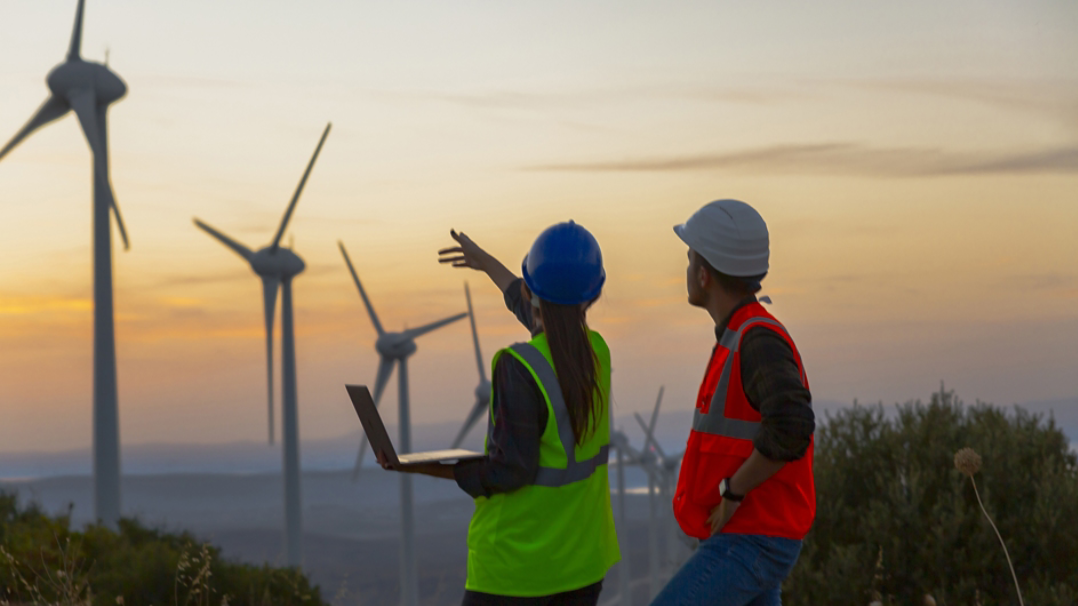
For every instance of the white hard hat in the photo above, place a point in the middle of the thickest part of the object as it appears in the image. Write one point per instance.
(731, 235)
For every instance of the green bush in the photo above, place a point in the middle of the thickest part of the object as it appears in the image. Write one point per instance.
(896, 520)
(44, 561)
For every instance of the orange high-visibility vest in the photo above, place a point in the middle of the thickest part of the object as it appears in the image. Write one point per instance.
(723, 428)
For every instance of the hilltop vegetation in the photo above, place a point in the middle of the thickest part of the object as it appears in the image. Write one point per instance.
(896, 520)
(44, 561)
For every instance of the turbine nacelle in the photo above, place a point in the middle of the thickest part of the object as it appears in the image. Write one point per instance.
(82, 75)
(281, 263)
(395, 345)
(482, 392)
(619, 440)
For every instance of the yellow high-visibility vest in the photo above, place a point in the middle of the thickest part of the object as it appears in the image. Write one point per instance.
(557, 534)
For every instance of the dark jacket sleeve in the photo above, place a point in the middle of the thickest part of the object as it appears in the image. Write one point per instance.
(514, 301)
(519, 418)
(773, 385)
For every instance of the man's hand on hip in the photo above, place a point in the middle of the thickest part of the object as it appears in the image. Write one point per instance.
(722, 514)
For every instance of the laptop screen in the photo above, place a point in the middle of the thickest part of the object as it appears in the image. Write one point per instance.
(372, 422)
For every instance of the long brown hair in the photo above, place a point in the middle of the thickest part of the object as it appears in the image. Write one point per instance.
(575, 364)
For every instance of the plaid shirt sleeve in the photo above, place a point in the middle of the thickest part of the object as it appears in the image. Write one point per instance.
(514, 301)
(519, 418)
(773, 385)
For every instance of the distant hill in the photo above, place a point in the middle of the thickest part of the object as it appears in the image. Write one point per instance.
(339, 453)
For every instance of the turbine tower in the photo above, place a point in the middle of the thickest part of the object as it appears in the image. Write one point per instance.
(89, 88)
(395, 348)
(482, 391)
(277, 266)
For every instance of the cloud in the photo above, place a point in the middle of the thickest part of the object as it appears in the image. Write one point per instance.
(188, 82)
(604, 96)
(1058, 100)
(1055, 282)
(25, 305)
(170, 281)
(845, 158)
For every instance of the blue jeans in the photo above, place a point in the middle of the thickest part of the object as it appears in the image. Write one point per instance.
(732, 570)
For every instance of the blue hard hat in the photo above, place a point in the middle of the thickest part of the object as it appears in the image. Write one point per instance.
(565, 265)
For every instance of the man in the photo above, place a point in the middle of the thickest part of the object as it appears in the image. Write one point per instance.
(745, 488)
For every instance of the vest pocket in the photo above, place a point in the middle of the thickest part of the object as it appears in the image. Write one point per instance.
(721, 445)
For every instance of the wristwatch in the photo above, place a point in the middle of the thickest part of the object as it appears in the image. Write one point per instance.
(724, 490)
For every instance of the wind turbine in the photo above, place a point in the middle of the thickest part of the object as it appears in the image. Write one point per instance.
(666, 473)
(627, 455)
(650, 463)
(277, 266)
(395, 348)
(89, 88)
(482, 391)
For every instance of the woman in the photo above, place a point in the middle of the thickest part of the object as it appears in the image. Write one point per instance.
(542, 531)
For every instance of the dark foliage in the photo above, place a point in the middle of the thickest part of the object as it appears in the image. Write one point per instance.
(44, 560)
(896, 520)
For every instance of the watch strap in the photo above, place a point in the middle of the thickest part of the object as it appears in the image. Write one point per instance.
(729, 494)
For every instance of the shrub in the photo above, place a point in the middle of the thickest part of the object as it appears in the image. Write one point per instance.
(896, 520)
(44, 561)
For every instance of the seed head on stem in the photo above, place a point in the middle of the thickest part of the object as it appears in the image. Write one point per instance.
(968, 462)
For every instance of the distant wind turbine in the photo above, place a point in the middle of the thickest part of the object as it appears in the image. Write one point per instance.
(627, 455)
(277, 266)
(395, 348)
(482, 391)
(666, 474)
(89, 88)
(652, 464)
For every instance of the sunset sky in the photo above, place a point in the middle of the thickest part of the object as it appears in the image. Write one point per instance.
(916, 162)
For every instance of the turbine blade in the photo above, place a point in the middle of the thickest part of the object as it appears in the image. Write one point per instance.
(362, 293)
(643, 425)
(299, 190)
(422, 330)
(650, 437)
(119, 220)
(473, 416)
(52, 109)
(92, 119)
(385, 369)
(104, 173)
(239, 249)
(85, 105)
(76, 35)
(475, 336)
(269, 307)
(655, 413)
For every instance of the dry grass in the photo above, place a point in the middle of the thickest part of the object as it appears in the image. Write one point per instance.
(67, 582)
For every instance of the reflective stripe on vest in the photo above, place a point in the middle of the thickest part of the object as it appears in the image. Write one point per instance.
(714, 421)
(575, 471)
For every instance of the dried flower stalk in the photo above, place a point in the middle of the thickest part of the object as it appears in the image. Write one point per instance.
(969, 462)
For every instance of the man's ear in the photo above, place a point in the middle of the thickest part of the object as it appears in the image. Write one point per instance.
(703, 276)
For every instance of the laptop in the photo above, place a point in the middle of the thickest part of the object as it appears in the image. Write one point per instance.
(379, 438)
